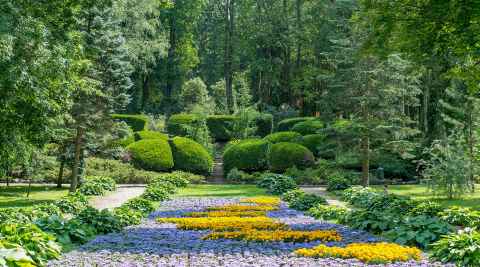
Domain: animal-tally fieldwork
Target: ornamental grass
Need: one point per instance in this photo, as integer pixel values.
(268, 201)
(371, 253)
(226, 214)
(238, 207)
(276, 235)
(225, 223)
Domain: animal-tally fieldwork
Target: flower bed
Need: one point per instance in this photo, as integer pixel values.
(277, 235)
(224, 223)
(238, 207)
(226, 214)
(268, 201)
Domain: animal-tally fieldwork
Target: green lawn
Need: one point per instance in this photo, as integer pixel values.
(221, 190)
(420, 192)
(15, 195)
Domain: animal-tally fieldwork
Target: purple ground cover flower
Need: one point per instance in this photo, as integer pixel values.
(154, 244)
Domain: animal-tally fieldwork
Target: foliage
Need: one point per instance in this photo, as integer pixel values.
(264, 124)
(179, 124)
(313, 142)
(190, 156)
(279, 137)
(238, 176)
(14, 255)
(194, 94)
(158, 191)
(246, 155)
(127, 216)
(327, 212)
(375, 221)
(286, 155)
(153, 154)
(460, 216)
(336, 181)
(103, 221)
(221, 126)
(308, 127)
(287, 124)
(66, 231)
(427, 208)
(72, 203)
(308, 176)
(302, 201)
(419, 231)
(97, 185)
(144, 135)
(462, 248)
(136, 122)
(140, 204)
(245, 125)
(277, 184)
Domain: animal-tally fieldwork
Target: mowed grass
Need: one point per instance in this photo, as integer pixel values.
(221, 190)
(15, 195)
(421, 192)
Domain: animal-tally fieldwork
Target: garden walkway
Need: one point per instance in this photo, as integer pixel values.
(156, 244)
(117, 198)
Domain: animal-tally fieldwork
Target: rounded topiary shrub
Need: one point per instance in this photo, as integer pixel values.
(292, 137)
(145, 135)
(313, 142)
(136, 122)
(286, 155)
(246, 155)
(221, 126)
(287, 124)
(180, 124)
(308, 127)
(152, 154)
(264, 123)
(190, 156)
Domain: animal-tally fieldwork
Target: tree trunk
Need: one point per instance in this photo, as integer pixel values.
(471, 145)
(365, 160)
(299, 4)
(76, 163)
(60, 174)
(228, 61)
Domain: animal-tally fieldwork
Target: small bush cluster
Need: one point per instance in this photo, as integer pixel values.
(97, 185)
(287, 124)
(462, 248)
(237, 176)
(327, 212)
(286, 155)
(221, 126)
(264, 123)
(246, 155)
(308, 127)
(190, 156)
(277, 184)
(180, 124)
(145, 135)
(152, 155)
(279, 137)
(136, 122)
(299, 200)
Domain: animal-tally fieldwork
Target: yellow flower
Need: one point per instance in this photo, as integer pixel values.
(365, 252)
(225, 223)
(276, 235)
(226, 214)
(237, 207)
(269, 201)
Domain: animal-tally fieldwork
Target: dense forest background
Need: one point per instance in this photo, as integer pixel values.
(393, 76)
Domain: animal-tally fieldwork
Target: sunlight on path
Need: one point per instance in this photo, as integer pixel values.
(117, 198)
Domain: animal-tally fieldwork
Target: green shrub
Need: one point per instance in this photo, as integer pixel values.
(156, 193)
(246, 155)
(287, 124)
(14, 255)
(462, 248)
(66, 231)
(127, 216)
(279, 137)
(461, 216)
(97, 185)
(191, 156)
(327, 212)
(299, 200)
(336, 181)
(277, 184)
(308, 127)
(103, 221)
(221, 126)
(73, 203)
(39, 246)
(368, 198)
(427, 208)
(237, 176)
(136, 122)
(140, 204)
(153, 154)
(314, 142)
(308, 176)
(179, 124)
(145, 135)
(286, 155)
(264, 123)
(375, 221)
(176, 178)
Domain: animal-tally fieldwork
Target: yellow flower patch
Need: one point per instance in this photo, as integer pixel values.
(270, 201)
(369, 253)
(277, 235)
(226, 214)
(225, 223)
(237, 207)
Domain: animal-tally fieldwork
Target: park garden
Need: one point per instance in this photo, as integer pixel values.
(239, 133)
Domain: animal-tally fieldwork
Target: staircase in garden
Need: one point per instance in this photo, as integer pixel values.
(217, 176)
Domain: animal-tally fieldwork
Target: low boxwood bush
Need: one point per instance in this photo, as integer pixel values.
(308, 127)
(287, 124)
(314, 142)
(264, 123)
(299, 200)
(145, 135)
(292, 137)
(97, 185)
(286, 155)
(153, 154)
(462, 248)
(179, 124)
(190, 156)
(277, 184)
(221, 126)
(246, 155)
(103, 221)
(136, 122)
(327, 212)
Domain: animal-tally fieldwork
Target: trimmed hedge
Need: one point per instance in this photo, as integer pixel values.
(190, 156)
(152, 154)
(179, 124)
(145, 135)
(286, 155)
(287, 124)
(221, 126)
(279, 137)
(136, 122)
(308, 127)
(313, 142)
(246, 155)
(264, 123)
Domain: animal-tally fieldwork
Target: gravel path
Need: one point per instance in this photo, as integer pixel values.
(117, 198)
(321, 191)
(154, 244)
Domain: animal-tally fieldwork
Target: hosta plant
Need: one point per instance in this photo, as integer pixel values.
(103, 221)
(462, 248)
(326, 212)
(140, 204)
(461, 216)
